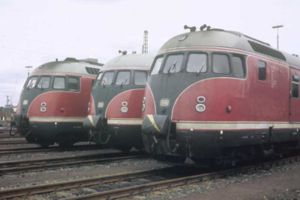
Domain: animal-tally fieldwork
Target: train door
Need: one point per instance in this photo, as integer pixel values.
(294, 95)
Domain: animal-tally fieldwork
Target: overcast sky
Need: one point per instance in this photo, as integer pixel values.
(33, 32)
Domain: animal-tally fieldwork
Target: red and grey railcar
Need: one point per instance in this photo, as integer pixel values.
(116, 102)
(215, 93)
(54, 102)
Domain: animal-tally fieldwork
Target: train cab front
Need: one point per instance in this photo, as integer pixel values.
(46, 111)
(158, 129)
(115, 108)
(174, 100)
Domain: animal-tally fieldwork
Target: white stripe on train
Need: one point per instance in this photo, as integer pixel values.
(223, 125)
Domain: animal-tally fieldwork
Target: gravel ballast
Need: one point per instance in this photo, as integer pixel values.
(281, 182)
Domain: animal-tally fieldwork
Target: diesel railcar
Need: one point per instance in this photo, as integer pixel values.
(216, 94)
(116, 102)
(54, 102)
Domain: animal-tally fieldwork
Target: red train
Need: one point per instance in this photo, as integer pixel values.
(216, 94)
(54, 102)
(116, 102)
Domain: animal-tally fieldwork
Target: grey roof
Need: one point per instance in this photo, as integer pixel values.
(221, 38)
(132, 61)
(69, 65)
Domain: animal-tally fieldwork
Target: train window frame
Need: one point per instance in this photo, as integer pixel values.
(127, 82)
(156, 70)
(78, 82)
(40, 78)
(98, 78)
(243, 62)
(53, 84)
(262, 70)
(28, 81)
(165, 62)
(140, 71)
(295, 86)
(197, 52)
(112, 80)
(213, 62)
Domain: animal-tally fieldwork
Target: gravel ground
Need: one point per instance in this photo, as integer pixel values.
(78, 172)
(277, 183)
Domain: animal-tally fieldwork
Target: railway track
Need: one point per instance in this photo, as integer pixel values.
(13, 141)
(5, 151)
(7, 135)
(41, 164)
(4, 133)
(125, 185)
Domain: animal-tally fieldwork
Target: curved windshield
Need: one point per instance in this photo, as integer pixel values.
(107, 78)
(173, 63)
(197, 62)
(123, 78)
(32, 82)
(99, 76)
(44, 82)
(157, 65)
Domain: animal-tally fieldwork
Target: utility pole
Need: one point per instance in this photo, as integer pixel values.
(28, 68)
(277, 27)
(145, 43)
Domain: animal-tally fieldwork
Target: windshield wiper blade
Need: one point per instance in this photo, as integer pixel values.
(198, 72)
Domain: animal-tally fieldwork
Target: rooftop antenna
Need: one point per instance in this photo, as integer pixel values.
(122, 52)
(28, 68)
(191, 28)
(277, 27)
(145, 43)
(203, 27)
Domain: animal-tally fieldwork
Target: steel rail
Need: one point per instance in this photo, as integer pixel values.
(4, 151)
(135, 189)
(175, 182)
(31, 190)
(39, 164)
(16, 141)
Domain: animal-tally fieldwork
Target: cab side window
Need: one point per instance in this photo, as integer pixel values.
(220, 63)
(238, 68)
(59, 83)
(73, 83)
(107, 78)
(262, 70)
(295, 86)
(140, 78)
(123, 78)
(44, 82)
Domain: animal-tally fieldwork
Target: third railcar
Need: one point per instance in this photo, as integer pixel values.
(116, 103)
(218, 93)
